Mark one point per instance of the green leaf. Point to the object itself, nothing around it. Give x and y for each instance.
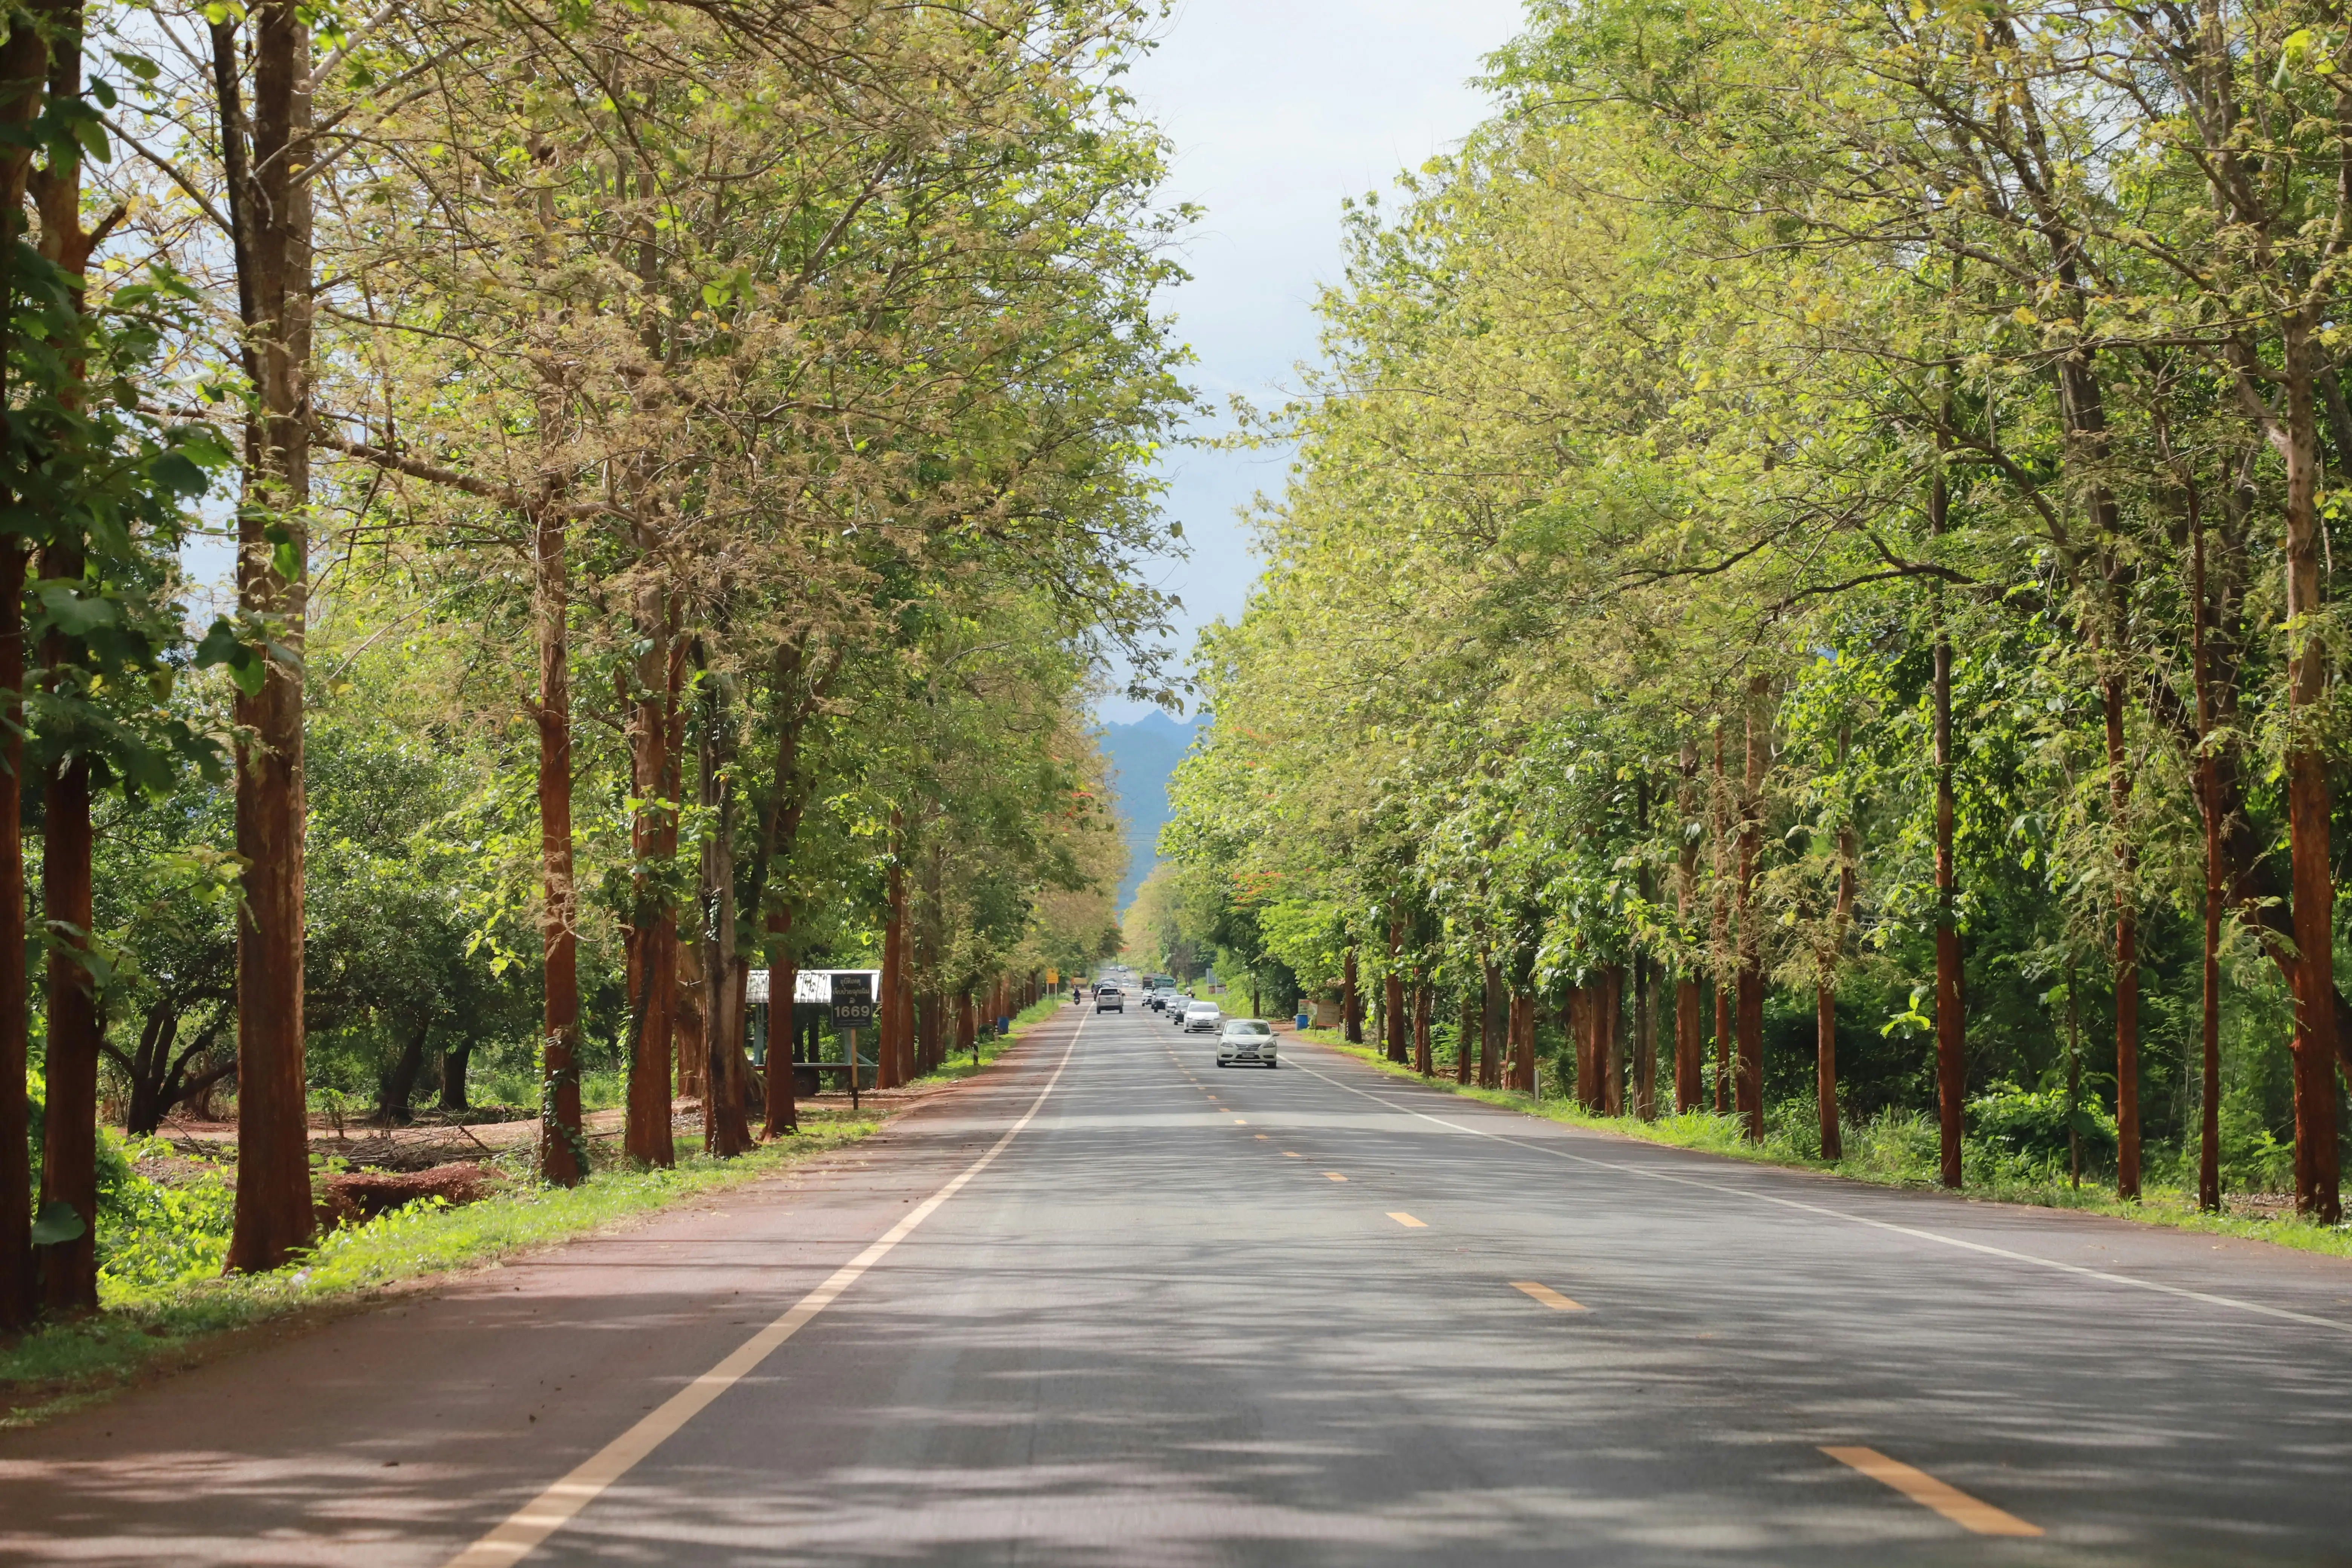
(77, 615)
(59, 1221)
(219, 644)
(177, 472)
(92, 137)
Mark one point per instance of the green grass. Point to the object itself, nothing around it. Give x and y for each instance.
(1892, 1151)
(992, 1045)
(182, 1308)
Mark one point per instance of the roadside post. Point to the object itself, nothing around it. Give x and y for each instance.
(853, 1009)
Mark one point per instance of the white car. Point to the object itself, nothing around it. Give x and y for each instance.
(1174, 1007)
(1202, 1018)
(1246, 1040)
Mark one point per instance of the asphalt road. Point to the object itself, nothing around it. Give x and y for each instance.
(1317, 1315)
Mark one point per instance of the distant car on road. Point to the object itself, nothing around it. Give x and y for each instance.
(1109, 999)
(1174, 1007)
(1249, 1041)
(1202, 1018)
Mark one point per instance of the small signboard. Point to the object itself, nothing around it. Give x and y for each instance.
(852, 999)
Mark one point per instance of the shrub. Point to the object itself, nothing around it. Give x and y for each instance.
(1893, 1145)
(2027, 1128)
(153, 1234)
(2253, 1158)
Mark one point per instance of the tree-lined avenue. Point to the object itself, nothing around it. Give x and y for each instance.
(1146, 1333)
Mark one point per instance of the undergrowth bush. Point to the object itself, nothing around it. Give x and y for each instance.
(153, 1233)
(1893, 1146)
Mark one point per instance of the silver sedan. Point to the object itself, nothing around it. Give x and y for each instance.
(1246, 1041)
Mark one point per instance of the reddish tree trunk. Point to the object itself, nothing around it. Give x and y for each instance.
(1352, 1011)
(906, 1023)
(1466, 1049)
(1606, 1005)
(929, 954)
(69, 1141)
(1580, 1042)
(1751, 938)
(1393, 1021)
(653, 985)
(1611, 1042)
(689, 1041)
(17, 1279)
(1690, 1045)
(1689, 1031)
(1721, 929)
(653, 938)
(69, 1268)
(1825, 1069)
(24, 67)
(737, 1005)
(1592, 1067)
(1722, 1049)
(887, 1074)
(2317, 1193)
(779, 835)
(1825, 1082)
(2127, 949)
(1514, 1030)
(783, 1114)
(1424, 999)
(560, 1149)
(273, 216)
(1952, 1047)
(2208, 800)
(727, 1122)
(1494, 1020)
(718, 1000)
(1645, 1052)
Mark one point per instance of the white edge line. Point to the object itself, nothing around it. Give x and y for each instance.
(2206, 1297)
(520, 1532)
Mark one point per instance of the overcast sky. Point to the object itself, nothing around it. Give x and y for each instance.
(1279, 109)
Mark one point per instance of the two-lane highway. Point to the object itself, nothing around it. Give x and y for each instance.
(1113, 1305)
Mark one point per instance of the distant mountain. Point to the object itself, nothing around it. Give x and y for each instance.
(1142, 754)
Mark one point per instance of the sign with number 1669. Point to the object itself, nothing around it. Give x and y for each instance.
(852, 1000)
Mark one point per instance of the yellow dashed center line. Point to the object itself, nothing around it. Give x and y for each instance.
(1967, 1513)
(1407, 1221)
(1289, 1155)
(1241, 1121)
(1547, 1296)
(1334, 1175)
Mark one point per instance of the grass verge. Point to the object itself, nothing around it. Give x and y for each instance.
(64, 1366)
(989, 1049)
(1883, 1160)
